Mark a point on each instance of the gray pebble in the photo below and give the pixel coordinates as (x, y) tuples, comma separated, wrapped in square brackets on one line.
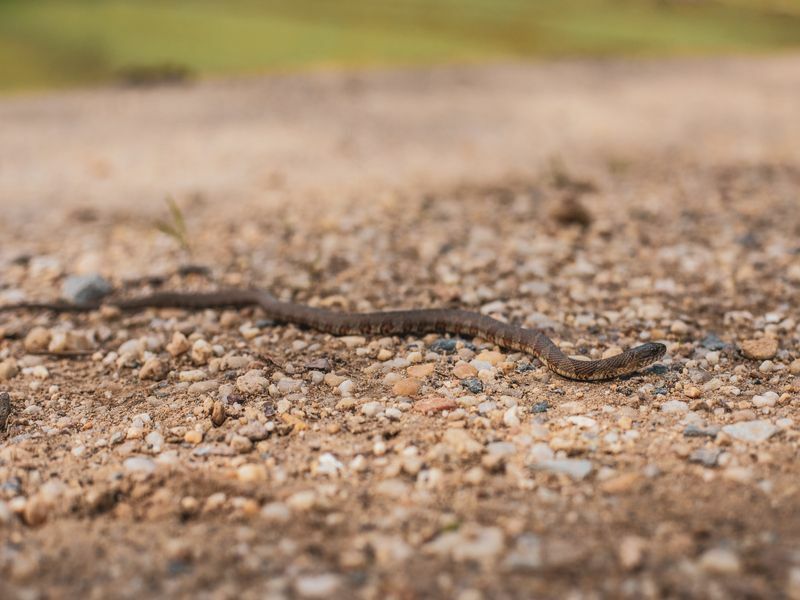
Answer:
[(85, 289), (444, 346), (696, 431), (712, 342), (705, 456), (473, 384)]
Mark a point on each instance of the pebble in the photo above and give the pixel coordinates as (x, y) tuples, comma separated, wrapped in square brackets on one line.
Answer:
[(317, 586), (751, 431), (759, 349), (470, 543), (766, 399), (5, 409), (276, 512), (252, 382), (37, 340), (420, 371), (473, 385), (540, 407), (464, 371), (191, 376), (675, 406), (153, 369), (692, 392), (139, 464), (631, 552), (333, 380), (511, 417), (251, 473), (178, 345), (712, 342), (255, 431), (576, 468), (434, 404), (526, 556), (371, 409), (302, 501), (346, 387), (693, 430), (794, 367), (720, 561), (8, 369), (491, 357), (328, 464), (155, 440), (407, 387), (241, 444), (444, 346), (85, 289), (201, 352), (705, 456), (193, 437)]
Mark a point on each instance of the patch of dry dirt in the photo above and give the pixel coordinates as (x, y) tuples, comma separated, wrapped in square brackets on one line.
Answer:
[(418, 466)]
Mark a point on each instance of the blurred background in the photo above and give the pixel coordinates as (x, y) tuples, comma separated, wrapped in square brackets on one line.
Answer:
[(58, 43)]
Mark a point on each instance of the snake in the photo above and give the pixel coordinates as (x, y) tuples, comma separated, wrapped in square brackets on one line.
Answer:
[(387, 323)]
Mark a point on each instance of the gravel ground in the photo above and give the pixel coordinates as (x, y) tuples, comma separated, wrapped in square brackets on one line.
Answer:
[(213, 454)]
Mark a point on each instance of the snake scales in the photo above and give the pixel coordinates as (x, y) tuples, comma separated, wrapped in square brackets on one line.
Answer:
[(441, 320)]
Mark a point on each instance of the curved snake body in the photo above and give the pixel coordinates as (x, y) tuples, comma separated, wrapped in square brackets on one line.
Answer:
[(401, 322)]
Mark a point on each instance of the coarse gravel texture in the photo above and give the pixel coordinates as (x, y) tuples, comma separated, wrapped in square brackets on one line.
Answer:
[(214, 454)]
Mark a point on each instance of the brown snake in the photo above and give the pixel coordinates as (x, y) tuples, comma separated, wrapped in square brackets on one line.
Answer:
[(400, 322)]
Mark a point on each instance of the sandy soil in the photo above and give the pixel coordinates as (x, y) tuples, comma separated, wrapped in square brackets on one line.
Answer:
[(217, 455)]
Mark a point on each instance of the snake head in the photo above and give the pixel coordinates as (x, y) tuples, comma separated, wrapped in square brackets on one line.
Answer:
[(646, 354)]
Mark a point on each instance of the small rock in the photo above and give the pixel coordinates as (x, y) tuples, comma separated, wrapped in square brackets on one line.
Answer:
[(706, 456), (674, 406), (85, 289), (759, 349), (255, 431), (712, 342), (420, 371), (692, 392), (720, 561), (218, 413), (526, 554), (37, 340), (193, 437), (191, 376), (8, 369), (473, 385), (444, 346), (407, 387), (252, 382), (434, 404), (317, 586), (751, 431), (153, 369), (540, 407), (464, 371), (767, 399), (794, 368), (241, 444), (576, 468), (693, 430), (276, 512), (251, 473), (179, 344), (491, 357), (511, 417), (139, 464), (5, 409), (201, 352), (631, 552)]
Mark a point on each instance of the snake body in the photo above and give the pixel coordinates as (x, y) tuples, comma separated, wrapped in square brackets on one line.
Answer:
[(400, 322)]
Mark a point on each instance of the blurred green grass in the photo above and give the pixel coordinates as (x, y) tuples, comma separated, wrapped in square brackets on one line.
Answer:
[(54, 43)]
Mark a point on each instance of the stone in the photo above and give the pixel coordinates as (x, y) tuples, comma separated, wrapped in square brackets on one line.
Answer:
[(407, 387), (464, 371), (712, 342), (675, 406), (444, 346), (491, 357), (324, 585), (461, 442), (751, 431), (85, 289), (201, 352), (434, 404), (251, 473), (178, 345), (631, 552), (420, 371), (706, 456), (720, 561), (139, 464), (526, 556), (153, 369), (470, 543), (575, 468), (252, 382), (692, 392), (759, 349), (192, 375), (218, 413), (5, 409), (794, 367), (8, 369), (193, 437), (37, 340), (473, 385)]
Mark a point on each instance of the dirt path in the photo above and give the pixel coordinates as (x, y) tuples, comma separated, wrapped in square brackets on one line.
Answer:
[(216, 455)]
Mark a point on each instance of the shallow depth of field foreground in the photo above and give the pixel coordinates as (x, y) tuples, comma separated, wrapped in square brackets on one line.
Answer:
[(215, 454)]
